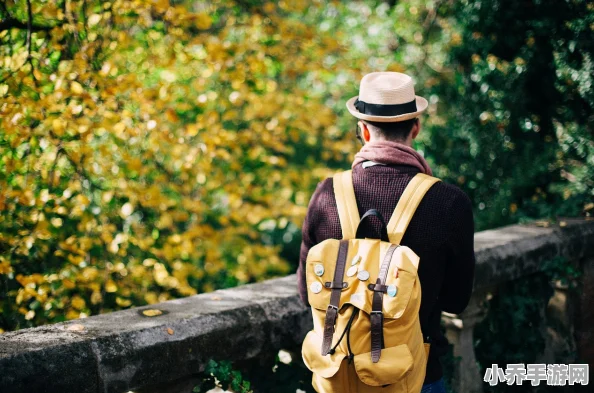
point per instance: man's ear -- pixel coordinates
(416, 128)
(364, 131)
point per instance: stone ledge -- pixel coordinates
(510, 252)
(124, 350)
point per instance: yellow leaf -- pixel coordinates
(96, 297)
(110, 286)
(94, 19)
(127, 209)
(192, 130)
(77, 302)
(152, 312)
(59, 125)
(203, 21)
(76, 88)
(120, 301)
(68, 284)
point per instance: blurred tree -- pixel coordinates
(517, 110)
(152, 149)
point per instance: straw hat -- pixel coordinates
(386, 97)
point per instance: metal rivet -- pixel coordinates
(356, 260)
(315, 287)
(319, 269)
(363, 275)
(392, 290)
(352, 271)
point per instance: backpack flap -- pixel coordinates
(368, 254)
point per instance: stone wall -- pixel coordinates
(127, 350)
(584, 314)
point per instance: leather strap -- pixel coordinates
(346, 203)
(407, 205)
(337, 285)
(383, 231)
(377, 316)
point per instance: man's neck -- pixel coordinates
(406, 142)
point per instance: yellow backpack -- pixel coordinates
(365, 297)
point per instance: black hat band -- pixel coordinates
(386, 110)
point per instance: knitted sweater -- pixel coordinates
(441, 233)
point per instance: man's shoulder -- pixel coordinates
(450, 189)
(450, 195)
(323, 194)
(325, 186)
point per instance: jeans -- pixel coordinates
(434, 387)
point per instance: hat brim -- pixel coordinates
(421, 102)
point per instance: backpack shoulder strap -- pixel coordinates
(407, 205)
(348, 212)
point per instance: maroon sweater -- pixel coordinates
(441, 233)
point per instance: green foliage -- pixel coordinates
(560, 270)
(515, 326)
(264, 375)
(516, 109)
(279, 377)
(519, 308)
(223, 375)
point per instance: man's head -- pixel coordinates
(401, 131)
(387, 108)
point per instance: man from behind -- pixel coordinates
(441, 231)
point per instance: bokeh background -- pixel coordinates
(154, 149)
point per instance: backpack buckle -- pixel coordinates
(377, 287)
(328, 285)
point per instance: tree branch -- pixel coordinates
(427, 25)
(13, 23)
(29, 31)
(29, 34)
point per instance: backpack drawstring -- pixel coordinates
(346, 330)
(350, 351)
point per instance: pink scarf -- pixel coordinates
(392, 153)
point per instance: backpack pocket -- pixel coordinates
(324, 366)
(393, 366)
(406, 284)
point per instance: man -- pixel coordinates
(441, 231)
